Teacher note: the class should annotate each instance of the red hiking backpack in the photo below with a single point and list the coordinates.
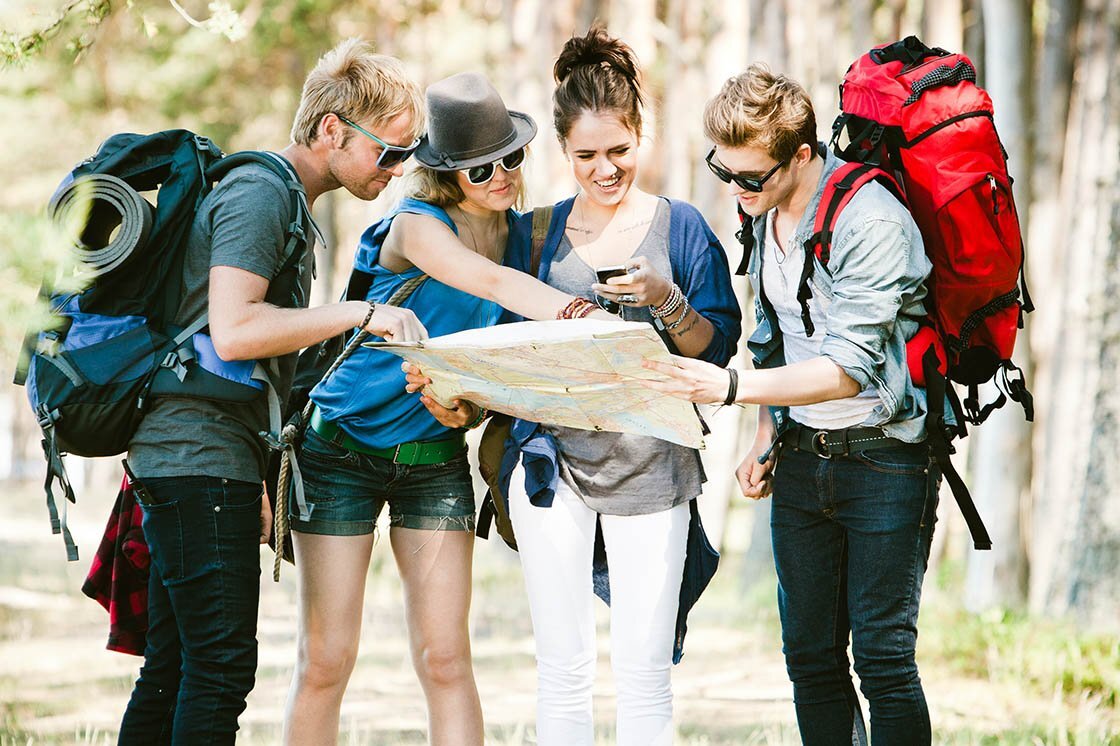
(917, 122)
(918, 114)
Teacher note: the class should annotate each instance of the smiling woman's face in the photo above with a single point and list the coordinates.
(604, 155)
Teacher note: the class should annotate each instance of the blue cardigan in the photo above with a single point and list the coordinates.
(700, 268)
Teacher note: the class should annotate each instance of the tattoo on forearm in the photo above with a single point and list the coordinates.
(687, 328)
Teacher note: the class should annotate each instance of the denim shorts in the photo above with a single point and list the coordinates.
(345, 491)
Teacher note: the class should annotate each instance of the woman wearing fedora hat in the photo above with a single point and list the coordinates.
(370, 443)
(636, 492)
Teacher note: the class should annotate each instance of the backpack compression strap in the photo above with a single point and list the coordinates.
(841, 186)
(939, 435)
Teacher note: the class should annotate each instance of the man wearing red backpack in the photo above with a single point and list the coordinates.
(856, 492)
(200, 462)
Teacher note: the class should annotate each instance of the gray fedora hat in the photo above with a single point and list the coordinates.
(469, 125)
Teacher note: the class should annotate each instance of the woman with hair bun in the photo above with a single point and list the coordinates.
(639, 491)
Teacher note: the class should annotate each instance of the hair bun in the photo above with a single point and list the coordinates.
(597, 47)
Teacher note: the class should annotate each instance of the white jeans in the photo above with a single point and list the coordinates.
(646, 561)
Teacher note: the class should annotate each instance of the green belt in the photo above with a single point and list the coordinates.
(414, 453)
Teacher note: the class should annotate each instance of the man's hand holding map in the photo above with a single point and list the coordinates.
(580, 373)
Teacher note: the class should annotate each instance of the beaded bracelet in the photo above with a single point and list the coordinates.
(483, 413)
(369, 314)
(671, 304)
(680, 319)
(577, 308)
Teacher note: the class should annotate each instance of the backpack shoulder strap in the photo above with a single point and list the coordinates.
(841, 186)
(542, 220)
(745, 237)
(300, 211)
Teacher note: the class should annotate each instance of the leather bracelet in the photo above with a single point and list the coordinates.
(369, 314)
(732, 387)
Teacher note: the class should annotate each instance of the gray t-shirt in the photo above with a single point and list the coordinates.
(242, 223)
(620, 473)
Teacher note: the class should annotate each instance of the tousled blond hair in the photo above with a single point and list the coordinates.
(353, 81)
(761, 109)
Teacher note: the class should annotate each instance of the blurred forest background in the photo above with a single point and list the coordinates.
(1036, 620)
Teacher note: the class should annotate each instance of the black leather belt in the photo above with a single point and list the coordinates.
(829, 443)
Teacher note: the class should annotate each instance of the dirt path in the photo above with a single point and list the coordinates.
(59, 685)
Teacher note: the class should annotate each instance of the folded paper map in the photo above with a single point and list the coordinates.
(581, 373)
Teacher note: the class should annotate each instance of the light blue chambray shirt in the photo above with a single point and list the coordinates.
(876, 281)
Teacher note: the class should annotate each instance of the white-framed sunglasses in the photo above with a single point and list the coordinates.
(479, 175)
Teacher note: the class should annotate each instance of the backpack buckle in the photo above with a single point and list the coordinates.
(47, 417)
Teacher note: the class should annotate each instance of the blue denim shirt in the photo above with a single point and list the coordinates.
(875, 280)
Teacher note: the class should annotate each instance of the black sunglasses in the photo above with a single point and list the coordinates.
(748, 183)
(391, 155)
(479, 175)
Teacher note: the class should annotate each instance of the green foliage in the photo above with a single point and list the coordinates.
(16, 48)
(33, 249)
(1047, 656)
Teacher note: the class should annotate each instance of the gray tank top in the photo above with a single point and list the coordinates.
(620, 473)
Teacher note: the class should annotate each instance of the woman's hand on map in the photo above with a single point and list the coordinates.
(461, 414)
(415, 380)
(642, 285)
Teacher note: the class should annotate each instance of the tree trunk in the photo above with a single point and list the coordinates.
(1077, 531)
(1001, 454)
(767, 34)
(973, 30)
(944, 24)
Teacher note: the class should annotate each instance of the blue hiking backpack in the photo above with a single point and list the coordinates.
(114, 344)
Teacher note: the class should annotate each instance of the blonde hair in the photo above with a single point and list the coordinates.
(353, 81)
(764, 110)
(441, 188)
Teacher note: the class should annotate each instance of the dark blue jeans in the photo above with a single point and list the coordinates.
(201, 654)
(851, 541)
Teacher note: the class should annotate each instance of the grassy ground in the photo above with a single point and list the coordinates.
(997, 679)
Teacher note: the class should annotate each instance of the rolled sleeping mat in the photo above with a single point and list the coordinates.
(119, 220)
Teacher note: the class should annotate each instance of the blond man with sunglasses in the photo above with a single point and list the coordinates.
(372, 444)
(200, 463)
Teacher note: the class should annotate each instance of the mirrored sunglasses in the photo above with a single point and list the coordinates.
(479, 175)
(747, 183)
(391, 155)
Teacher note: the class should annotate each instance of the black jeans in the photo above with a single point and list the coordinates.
(201, 654)
(851, 541)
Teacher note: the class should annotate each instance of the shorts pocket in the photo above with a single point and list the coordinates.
(316, 447)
